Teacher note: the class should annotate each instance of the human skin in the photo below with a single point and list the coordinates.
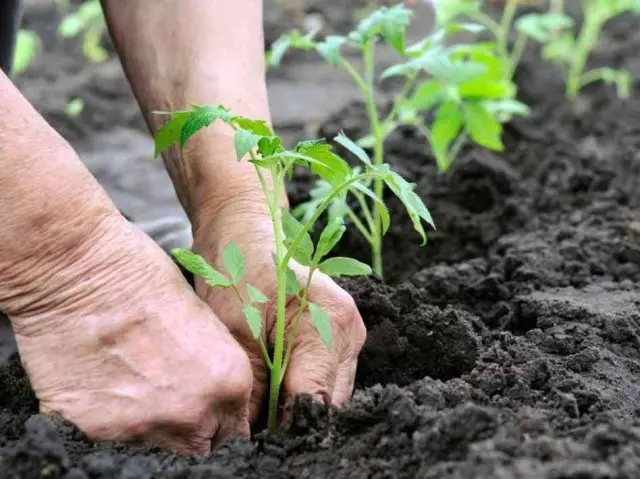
(112, 337)
(170, 68)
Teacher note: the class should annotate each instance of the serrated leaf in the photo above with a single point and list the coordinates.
(292, 285)
(329, 238)
(343, 140)
(198, 266)
(414, 205)
(269, 145)
(169, 134)
(447, 125)
(482, 127)
(201, 117)
(254, 320)
(322, 322)
(233, 261)
(257, 127)
(327, 165)
(388, 22)
(336, 267)
(255, 295)
(427, 95)
(304, 250)
(244, 142)
(329, 49)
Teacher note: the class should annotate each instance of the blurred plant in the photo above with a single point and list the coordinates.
(464, 88)
(89, 22)
(28, 45)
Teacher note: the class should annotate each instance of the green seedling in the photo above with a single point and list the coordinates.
(28, 45)
(89, 22)
(75, 108)
(540, 27)
(572, 52)
(462, 87)
(255, 142)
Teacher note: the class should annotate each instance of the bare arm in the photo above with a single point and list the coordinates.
(43, 186)
(176, 53)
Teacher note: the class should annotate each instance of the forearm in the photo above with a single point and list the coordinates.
(43, 188)
(177, 53)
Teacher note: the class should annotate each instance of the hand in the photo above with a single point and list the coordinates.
(327, 375)
(122, 347)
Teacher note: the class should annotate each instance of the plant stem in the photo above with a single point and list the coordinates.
(281, 306)
(586, 39)
(508, 15)
(378, 153)
(295, 325)
(516, 54)
(367, 86)
(556, 6)
(263, 347)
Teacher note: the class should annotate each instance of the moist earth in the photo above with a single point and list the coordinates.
(508, 347)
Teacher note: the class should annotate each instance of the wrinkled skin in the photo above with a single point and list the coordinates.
(328, 375)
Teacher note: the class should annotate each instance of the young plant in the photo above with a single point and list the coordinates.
(89, 21)
(572, 52)
(28, 45)
(540, 27)
(463, 87)
(255, 141)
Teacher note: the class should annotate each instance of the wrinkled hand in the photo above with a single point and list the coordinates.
(123, 348)
(327, 375)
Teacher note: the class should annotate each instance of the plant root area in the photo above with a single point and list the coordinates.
(508, 347)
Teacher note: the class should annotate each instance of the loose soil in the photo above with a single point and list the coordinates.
(508, 347)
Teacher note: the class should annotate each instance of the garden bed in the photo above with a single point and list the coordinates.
(508, 347)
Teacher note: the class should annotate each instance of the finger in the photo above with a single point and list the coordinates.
(345, 380)
(348, 361)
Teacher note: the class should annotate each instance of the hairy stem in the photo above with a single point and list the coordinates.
(378, 153)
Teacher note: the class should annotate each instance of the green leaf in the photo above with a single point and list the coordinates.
(416, 209)
(257, 127)
(506, 108)
(329, 238)
(254, 320)
(427, 95)
(197, 265)
(388, 22)
(447, 125)
(278, 50)
(543, 27)
(201, 117)
(449, 10)
(244, 142)
(329, 166)
(343, 140)
(75, 108)
(291, 226)
(28, 45)
(70, 26)
(322, 322)
(292, 286)
(482, 127)
(560, 50)
(169, 134)
(269, 145)
(486, 88)
(384, 212)
(233, 262)
(336, 267)
(329, 49)
(255, 295)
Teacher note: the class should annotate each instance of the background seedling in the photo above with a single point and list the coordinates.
(254, 140)
(89, 22)
(463, 87)
(28, 45)
(572, 52)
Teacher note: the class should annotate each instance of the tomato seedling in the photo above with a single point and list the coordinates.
(255, 141)
(463, 87)
(89, 21)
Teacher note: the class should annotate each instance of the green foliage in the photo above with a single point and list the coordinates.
(89, 22)
(75, 108)
(28, 45)
(255, 141)
(570, 50)
(466, 91)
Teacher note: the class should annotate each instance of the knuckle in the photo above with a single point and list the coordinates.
(235, 384)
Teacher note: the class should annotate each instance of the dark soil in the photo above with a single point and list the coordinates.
(508, 347)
